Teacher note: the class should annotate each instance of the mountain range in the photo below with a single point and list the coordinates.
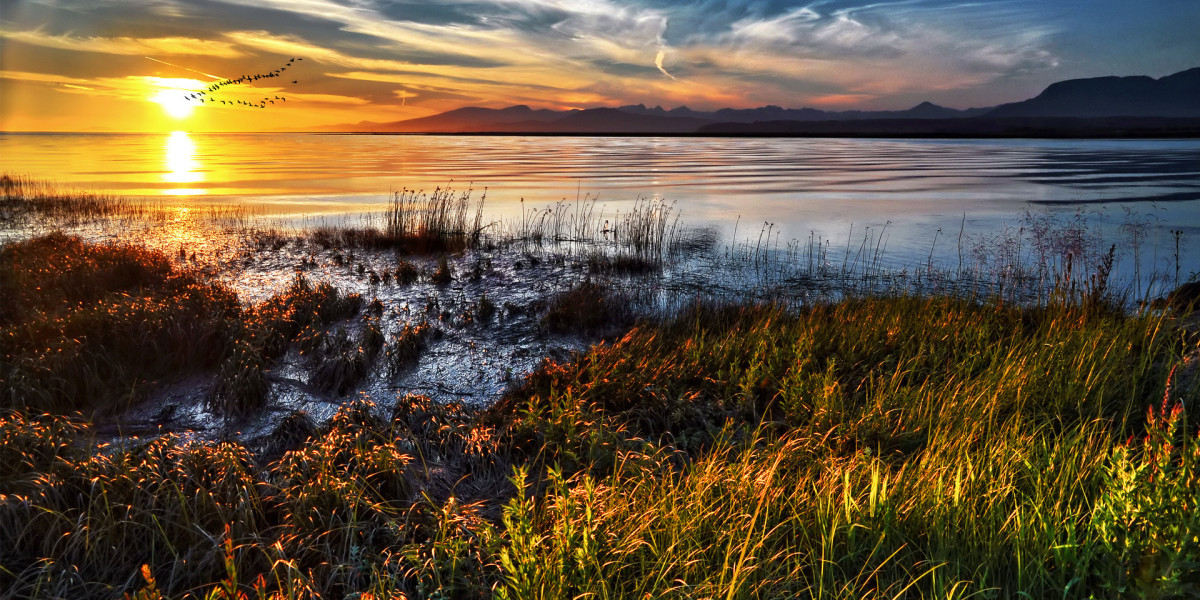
(1101, 106)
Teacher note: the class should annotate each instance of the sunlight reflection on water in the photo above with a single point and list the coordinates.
(182, 166)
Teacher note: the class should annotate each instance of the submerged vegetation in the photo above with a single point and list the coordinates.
(933, 441)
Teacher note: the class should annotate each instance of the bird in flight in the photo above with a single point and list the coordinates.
(207, 94)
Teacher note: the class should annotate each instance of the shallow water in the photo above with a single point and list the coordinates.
(830, 189)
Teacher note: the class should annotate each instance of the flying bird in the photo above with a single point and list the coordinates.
(247, 78)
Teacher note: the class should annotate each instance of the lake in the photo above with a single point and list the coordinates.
(919, 197)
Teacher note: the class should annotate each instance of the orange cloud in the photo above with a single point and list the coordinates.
(128, 45)
(840, 99)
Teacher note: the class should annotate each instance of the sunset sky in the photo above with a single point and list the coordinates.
(128, 65)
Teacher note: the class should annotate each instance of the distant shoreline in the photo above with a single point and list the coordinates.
(966, 128)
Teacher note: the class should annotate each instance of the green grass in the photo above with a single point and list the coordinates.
(895, 447)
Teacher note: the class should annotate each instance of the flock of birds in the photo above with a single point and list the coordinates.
(206, 95)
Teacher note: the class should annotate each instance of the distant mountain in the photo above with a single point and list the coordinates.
(608, 121)
(468, 120)
(1176, 95)
(973, 127)
(924, 110)
(1120, 106)
(634, 119)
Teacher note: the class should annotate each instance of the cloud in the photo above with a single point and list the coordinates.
(570, 35)
(130, 46)
(126, 88)
(42, 78)
(658, 62)
(871, 50)
(436, 55)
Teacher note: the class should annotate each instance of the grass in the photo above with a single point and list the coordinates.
(27, 204)
(588, 307)
(23, 201)
(414, 223)
(875, 447)
(85, 327)
(93, 328)
(871, 448)
(406, 345)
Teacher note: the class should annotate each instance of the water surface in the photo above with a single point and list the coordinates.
(904, 191)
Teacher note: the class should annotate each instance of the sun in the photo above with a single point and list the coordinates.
(174, 102)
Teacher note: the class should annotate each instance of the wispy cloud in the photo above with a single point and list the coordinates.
(130, 46)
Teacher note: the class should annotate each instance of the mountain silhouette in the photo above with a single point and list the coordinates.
(1095, 107)
(608, 121)
(974, 127)
(1176, 95)
(465, 120)
(634, 119)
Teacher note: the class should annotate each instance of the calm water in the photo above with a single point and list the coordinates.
(832, 189)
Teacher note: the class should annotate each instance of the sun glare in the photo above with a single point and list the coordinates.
(174, 103)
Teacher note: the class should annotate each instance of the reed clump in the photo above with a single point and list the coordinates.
(343, 360)
(89, 327)
(95, 327)
(588, 306)
(417, 223)
(406, 345)
(22, 199)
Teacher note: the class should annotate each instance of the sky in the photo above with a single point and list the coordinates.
(131, 65)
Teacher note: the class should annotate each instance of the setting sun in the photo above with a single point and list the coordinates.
(174, 102)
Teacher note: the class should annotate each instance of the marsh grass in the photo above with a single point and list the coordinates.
(1045, 257)
(202, 520)
(414, 223)
(27, 204)
(94, 327)
(444, 220)
(21, 199)
(879, 447)
(875, 448)
(343, 361)
(89, 327)
(442, 274)
(406, 345)
(587, 307)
